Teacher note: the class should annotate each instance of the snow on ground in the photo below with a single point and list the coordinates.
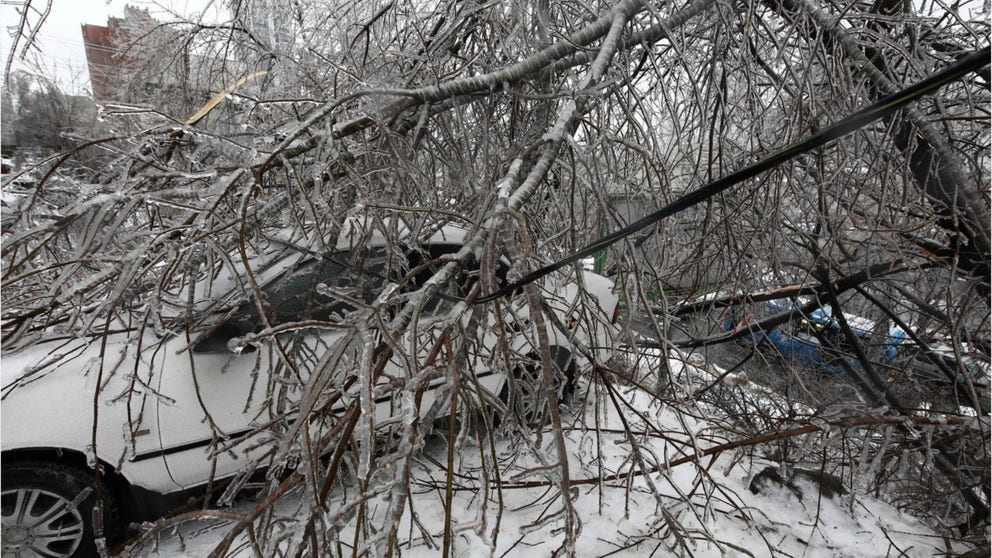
(710, 503)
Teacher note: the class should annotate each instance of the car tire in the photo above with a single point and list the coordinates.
(37, 516)
(527, 403)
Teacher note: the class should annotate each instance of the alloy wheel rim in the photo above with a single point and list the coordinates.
(37, 522)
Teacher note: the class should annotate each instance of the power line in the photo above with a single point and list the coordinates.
(876, 111)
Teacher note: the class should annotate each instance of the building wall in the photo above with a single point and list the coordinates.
(114, 60)
(101, 60)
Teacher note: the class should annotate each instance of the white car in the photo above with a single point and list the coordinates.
(163, 412)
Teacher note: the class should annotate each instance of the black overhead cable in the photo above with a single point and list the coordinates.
(877, 110)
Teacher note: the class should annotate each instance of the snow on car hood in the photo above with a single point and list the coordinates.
(34, 362)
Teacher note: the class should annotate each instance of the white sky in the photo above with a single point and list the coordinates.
(62, 57)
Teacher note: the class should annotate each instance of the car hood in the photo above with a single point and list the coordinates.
(64, 353)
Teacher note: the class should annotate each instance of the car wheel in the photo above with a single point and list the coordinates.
(47, 510)
(528, 403)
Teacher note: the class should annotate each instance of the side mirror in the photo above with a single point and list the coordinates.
(217, 341)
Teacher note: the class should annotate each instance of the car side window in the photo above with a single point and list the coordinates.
(298, 295)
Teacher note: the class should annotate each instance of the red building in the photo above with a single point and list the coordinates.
(106, 48)
(100, 57)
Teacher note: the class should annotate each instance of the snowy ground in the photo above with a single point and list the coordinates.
(631, 516)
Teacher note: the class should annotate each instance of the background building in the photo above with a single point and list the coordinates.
(136, 59)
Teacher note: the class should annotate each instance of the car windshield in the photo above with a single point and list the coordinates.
(329, 288)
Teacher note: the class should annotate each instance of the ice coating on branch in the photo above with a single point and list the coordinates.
(505, 186)
(386, 293)
(364, 430)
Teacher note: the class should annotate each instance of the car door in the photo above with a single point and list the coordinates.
(220, 401)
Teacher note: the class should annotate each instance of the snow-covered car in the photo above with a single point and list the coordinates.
(162, 411)
(798, 342)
